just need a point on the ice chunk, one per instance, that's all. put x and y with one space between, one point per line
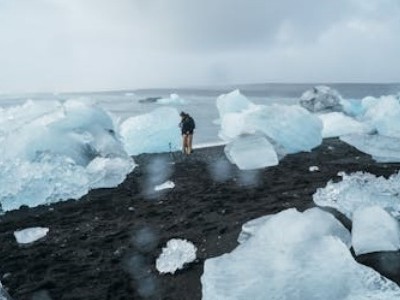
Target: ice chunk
359 190
292 127
173 99
381 148
374 230
321 98
166 185
47 147
294 256
383 114
30 235
3 293
250 228
337 124
108 172
233 102
251 152
153 132
177 253
313 169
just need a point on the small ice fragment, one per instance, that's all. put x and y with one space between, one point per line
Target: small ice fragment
177 253
313 169
166 185
30 235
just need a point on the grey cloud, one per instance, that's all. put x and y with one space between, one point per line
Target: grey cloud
240 24
50 45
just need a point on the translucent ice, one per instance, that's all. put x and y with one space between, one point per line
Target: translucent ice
3 293
383 114
321 98
233 102
374 230
166 185
251 152
359 190
338 124
47 148
30 235
291 127
294 256
381 148
153 132
177 253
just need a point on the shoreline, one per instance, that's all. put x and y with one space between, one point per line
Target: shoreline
104 246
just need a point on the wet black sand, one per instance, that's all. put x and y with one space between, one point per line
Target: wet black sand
104 246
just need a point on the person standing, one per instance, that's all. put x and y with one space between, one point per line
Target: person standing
187 127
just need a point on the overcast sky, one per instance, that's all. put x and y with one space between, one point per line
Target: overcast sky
75 45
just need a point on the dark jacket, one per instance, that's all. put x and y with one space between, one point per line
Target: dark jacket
187 125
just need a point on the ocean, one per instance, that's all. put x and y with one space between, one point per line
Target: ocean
201 102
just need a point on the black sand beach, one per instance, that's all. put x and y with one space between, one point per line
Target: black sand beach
104 246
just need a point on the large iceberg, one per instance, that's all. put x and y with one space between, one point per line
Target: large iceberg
321 98
291 127
251 152
359 190
295 256
154 132
374 230
381 148
50 151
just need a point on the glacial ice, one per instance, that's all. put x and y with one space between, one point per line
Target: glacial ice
313 168
233 102
321 98
251 152
290 127
3 293
359 190
175 255
152 132
294 256
383 114
166 185
173 99
374 230
381 148
30 235
47 150
337 124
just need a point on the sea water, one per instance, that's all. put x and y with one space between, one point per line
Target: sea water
199 102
